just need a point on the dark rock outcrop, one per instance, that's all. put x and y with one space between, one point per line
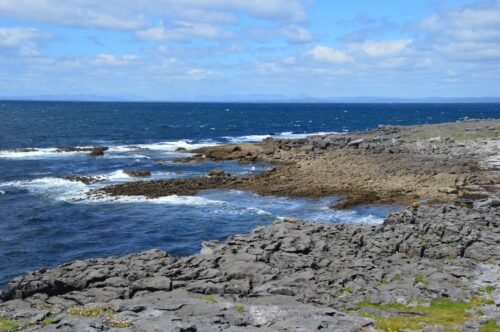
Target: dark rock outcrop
269 278
138 174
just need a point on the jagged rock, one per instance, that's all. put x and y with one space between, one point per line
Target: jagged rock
98 151
356 143
218 173
138 174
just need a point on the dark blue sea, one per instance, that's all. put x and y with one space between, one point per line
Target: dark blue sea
46 220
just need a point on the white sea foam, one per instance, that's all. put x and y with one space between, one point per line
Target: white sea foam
56 188
121 176
2 192
258 138
167 200
38 153
169 146
116 151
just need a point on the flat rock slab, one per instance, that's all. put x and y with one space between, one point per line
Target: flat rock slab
270 278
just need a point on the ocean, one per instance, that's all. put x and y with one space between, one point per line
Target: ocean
46 220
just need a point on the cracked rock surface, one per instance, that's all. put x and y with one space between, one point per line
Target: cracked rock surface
289 276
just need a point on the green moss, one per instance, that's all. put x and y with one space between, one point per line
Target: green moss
490 326
119 323
7 324
209 298
442 311
239 307
384 281
91 312
346 290
397 277
488 289
49 320
421 279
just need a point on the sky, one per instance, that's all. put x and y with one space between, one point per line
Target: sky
195 50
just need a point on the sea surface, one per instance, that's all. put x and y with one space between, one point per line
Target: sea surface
46 220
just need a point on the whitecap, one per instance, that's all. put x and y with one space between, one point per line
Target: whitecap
56 188
2 192
37 153
168 200
286 134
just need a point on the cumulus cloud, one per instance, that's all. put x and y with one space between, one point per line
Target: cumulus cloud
384 48
182 31
330 55
114 60
17 37
297 34
469 32
130 14
198 74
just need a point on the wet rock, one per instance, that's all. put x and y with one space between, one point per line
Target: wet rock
26 150
73 149
272 273
98 151
138 174
356 143
218 173
84 179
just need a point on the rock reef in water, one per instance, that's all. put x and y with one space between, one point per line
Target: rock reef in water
422 262
391 164
288 276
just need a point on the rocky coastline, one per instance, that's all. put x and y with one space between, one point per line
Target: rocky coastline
434 266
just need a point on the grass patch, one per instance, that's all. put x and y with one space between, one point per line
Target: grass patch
49 320
11 325
490 326
119 323
7 324
239 307
346 290
91 312
105 312
442 311
488 289
209 298
397 277
421 279
384 281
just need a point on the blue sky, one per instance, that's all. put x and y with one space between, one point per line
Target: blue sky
242 49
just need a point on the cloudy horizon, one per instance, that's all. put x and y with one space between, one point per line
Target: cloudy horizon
223 49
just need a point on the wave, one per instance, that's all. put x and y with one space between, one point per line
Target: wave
119 151
286 134
35 153
56 188
121 176
169 146
170 200
2 192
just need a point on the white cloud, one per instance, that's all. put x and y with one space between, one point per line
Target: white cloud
17 37
330 55
386 48
198 74
182 31
469 33
131 14
114 60
297 34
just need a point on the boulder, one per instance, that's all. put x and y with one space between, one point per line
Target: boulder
218 173
98 151
138 174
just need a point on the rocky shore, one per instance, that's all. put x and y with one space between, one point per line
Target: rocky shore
392 164
434 266
289 276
